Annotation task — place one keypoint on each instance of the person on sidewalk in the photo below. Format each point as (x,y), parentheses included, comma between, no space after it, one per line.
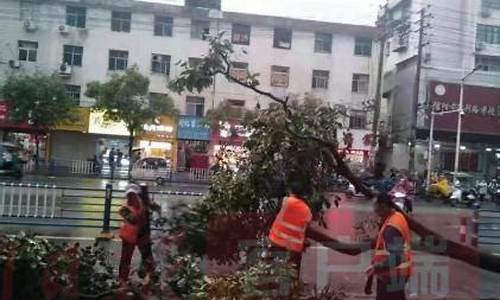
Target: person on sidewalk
(134,233)
(392,261)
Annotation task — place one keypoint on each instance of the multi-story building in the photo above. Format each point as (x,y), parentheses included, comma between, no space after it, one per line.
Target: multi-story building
(461,43)
(86,40)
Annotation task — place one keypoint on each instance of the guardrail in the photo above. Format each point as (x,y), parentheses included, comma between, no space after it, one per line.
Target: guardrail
(200,174)
(486,229)
(56,206)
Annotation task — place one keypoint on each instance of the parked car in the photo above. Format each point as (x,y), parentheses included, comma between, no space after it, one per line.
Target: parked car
(152,168)
(11,163)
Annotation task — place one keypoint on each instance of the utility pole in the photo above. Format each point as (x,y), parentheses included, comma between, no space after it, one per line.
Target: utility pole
(416,91)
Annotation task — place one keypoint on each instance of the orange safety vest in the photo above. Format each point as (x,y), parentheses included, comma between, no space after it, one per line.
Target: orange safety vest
(405,269)
(289,227)
(129,232)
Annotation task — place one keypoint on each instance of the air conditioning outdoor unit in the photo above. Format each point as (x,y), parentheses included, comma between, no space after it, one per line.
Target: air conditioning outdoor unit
(485,13)
(64,70)
(14,64)
(30,26)
(156,59)
(63,29)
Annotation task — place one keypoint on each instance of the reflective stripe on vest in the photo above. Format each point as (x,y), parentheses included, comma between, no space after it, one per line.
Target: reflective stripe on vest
(289,227)
(403,270)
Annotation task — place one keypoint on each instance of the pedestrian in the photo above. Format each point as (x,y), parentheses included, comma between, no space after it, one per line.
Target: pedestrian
(135,232)
(392,261)
(111,161)
(119,157)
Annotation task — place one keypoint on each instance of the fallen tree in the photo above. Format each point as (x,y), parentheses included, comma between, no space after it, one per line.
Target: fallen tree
(286,136)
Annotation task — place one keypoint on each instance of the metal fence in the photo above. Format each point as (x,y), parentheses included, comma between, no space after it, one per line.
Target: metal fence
(74,207)
(487,229)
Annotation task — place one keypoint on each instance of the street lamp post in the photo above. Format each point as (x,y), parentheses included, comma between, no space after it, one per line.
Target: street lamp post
(459,125)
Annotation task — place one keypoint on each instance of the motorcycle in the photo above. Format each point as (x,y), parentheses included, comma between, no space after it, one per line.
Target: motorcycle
(464,197)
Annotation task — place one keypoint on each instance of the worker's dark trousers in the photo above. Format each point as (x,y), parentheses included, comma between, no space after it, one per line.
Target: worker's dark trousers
(126,259)
(387,290)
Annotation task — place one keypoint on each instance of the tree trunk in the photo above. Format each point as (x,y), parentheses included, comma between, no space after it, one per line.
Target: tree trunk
(130,149)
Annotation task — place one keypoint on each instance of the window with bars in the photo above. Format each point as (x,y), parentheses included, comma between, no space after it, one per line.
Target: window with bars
(323,42)
(76,16)
(488,63)
(163,26)
(241,34)
(73,92)
(120,21)
(27,51)
(200,29)
(357,119)
(195,106)
(280,76)
(320,79)
(282,38)
(118,60)
(72,55)
(239,70)
(360,83)
(363,46)
(160,63)
(488,34)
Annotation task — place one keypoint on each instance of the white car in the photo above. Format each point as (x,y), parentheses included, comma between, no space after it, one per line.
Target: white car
(151,168)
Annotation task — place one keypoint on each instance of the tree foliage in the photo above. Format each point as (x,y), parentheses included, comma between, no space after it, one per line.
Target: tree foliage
(39,99)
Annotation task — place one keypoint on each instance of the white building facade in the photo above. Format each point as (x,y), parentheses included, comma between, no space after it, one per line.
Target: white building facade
(460,37)
(86,40)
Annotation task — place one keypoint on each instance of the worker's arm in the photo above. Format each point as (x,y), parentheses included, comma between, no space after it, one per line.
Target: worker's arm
(320,235)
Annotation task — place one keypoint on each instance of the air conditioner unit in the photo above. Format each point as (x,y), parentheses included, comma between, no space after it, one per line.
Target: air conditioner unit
(485,13)
(156,59)
(63,29)
(480,46)
(64,70)
(14,64)
(30,26)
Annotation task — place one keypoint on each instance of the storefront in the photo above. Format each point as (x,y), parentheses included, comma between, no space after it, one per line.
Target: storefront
(159,140)
(107,135)
(193,138)
(355,144)
(480,138)
(70,140)
(23,135)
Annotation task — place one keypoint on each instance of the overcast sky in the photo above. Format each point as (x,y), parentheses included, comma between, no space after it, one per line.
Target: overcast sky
(361,12)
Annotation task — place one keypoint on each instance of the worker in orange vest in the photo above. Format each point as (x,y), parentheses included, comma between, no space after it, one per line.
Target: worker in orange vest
(392,261)
(134,233)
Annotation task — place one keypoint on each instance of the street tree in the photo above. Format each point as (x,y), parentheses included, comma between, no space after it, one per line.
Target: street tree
(285,138)
(126,98)
(41,100)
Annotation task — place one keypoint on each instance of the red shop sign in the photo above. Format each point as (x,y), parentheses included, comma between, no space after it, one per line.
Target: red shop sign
(481,107)
(230,133)
(6,123)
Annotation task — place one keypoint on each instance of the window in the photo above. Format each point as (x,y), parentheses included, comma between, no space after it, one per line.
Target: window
(488,34)
(323,42)
(200,29)
(360,83)
(239,70)
(363,46)
(120,21)
(73,92)
(118,60)
(488,63)
(490,4)
(163,25)
(27,50)
(160,64)
(236,103)
(72,55)
(194,61)
(195,106)
(280,76)
(241,34)
(282,38)
(320,79)
(357,119)
(76,16)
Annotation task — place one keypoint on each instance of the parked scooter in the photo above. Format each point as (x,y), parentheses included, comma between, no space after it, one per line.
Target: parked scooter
(464,197)
(402,194)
